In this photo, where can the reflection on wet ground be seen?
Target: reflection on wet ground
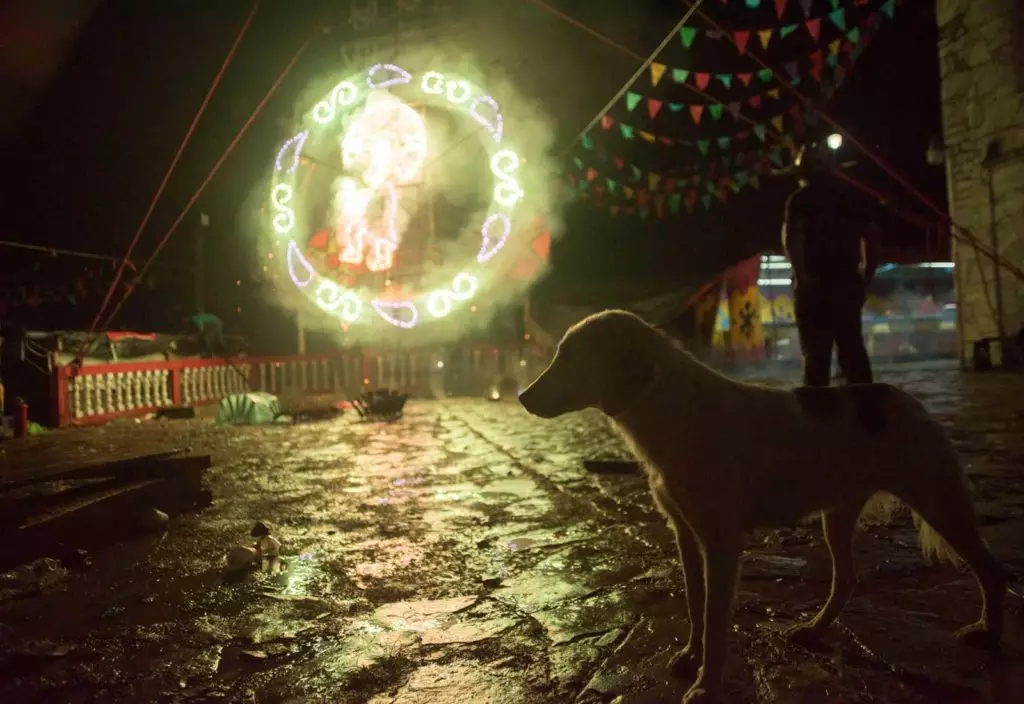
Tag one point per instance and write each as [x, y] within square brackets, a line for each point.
[464, 555]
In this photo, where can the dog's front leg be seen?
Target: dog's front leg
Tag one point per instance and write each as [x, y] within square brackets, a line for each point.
[721, 568]
[687, 661]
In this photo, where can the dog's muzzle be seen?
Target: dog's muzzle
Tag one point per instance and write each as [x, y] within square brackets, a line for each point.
[533, 401]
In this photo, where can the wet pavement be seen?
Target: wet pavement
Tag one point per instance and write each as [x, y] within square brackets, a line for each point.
[464, 554]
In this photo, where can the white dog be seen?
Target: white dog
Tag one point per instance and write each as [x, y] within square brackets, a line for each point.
[827, 450]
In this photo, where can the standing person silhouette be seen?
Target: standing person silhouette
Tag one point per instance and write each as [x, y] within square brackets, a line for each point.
[832, 240]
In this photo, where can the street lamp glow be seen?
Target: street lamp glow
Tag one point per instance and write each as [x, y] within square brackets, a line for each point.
[834, 141]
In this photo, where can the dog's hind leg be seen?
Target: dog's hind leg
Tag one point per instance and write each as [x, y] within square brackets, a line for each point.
[945, 516]
[686, 663]
[839, 525]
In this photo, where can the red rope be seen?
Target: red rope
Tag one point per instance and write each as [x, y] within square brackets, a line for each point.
[209, 176]
[173, 164]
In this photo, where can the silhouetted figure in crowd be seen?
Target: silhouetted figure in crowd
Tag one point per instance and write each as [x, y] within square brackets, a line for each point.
[211, 335]
[832, 241]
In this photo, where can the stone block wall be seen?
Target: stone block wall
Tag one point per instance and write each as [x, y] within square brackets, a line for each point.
[981, 49]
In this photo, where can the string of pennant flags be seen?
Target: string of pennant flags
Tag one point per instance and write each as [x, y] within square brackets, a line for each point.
[765, 35]
[630, 189]
[782, 5]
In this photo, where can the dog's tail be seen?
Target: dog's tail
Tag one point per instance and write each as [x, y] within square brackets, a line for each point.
[933, 546]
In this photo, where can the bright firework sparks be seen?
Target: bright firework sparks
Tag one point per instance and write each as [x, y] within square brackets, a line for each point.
[383, 147]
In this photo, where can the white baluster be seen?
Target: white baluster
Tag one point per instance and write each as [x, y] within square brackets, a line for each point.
[88, 388]
[165, 396]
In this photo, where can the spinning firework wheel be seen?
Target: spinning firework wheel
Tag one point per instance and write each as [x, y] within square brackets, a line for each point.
[354, 224]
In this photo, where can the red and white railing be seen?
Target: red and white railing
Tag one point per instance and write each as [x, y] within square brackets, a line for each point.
[98, 393]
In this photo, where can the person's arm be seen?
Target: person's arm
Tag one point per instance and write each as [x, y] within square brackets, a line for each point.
[793, 237]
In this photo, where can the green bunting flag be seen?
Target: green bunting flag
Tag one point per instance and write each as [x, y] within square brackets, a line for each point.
[838, 18]
[674, 200]
[787, 29]
[632, 100]
[716, 111]
[687, 34]
[889, 8]
[703, 145]
[587, 142]
[679, 75]
[627, 131]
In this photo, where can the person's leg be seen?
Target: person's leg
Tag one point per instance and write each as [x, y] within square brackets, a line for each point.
[814, 326]
[853, 354]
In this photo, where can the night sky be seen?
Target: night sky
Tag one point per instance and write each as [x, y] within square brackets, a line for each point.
[83, 164]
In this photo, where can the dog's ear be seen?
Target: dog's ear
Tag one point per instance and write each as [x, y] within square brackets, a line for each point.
[624, 382]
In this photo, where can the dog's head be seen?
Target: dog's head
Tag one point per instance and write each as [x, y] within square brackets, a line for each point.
[605, 361]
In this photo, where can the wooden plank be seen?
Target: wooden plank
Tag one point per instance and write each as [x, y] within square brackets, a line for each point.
[139, 466]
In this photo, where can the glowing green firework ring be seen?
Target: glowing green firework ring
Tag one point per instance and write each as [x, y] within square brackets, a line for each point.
[374, 116]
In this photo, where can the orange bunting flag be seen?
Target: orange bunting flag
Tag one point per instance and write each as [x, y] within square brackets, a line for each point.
[766, 36]
[657, 71]
[628, 192]
[745, 78]
[591, 174]
[773, 93]
[695, 112]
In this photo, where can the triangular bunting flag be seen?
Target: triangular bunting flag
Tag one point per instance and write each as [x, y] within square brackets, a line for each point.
[814, 28]
[607, 121]
[591, 174]
[679, 75]
[723, 143]
[612, 184]
[834, 3]
[765, 35]
[838, 18]
[832, 61]
[619, 163]
[637, 173]
[787, 29]
[578, 162]
[793, 69]
[706, 201]
[753, 4]
[626, 130]
[833, 46]
[716, 111]
[755, 181]
[632, 100]
[690, 200]
[777, 123]
[765, 75]
[854, 35]
[889, 8]
[687, 34]
[744, 78]
[628, 192]
[759, 131]
[587, 142]
[734, 108]
[644, 212]
[817, 64]
[755, 101]
[702, 145]
[657, 71]
[673, 202]
[653, 180]
[653, 107]
[702, 80]
[665, 140]
[695, 112]
[780, 7]
[676, 107]
[659, 205]
[646, 136]
[776, 157]
[806, 6]
[741, 40]
[773, 93]
[725, 78]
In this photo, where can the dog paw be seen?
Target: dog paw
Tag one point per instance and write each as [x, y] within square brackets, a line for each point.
[700, 695]
[807, 633]
[686, 663]
[978, 635]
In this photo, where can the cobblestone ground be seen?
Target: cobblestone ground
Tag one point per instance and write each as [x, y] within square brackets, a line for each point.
[463, 554]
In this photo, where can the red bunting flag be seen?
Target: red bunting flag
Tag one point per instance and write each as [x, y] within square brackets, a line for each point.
[755, 101]
[817, 60]
[643, 198]
[695, 112]
[653, 106]
[780, 7]
[814, 28]
[741, 41]
[619, 163]
[744, 78]
[702, 80]
[607, 121]
[591, 174]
